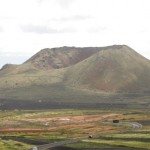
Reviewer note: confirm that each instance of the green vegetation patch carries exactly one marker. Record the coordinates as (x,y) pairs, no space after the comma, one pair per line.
(13,145)
(83,145)
(130,144)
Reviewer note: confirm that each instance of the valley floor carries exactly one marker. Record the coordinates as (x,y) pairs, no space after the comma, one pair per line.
(23,129)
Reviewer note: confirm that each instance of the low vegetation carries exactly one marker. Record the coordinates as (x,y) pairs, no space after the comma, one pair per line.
(23,129)
(69,74)
(13,145)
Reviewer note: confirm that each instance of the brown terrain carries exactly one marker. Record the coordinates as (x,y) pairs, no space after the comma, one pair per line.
(78,125)
(67,72)
(118,69)
(62,57)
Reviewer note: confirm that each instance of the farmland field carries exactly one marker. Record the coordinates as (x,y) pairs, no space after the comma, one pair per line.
(22,129)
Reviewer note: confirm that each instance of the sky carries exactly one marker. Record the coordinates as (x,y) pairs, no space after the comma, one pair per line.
(27,26)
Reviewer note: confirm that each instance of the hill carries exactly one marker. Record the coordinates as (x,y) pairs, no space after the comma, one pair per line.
(54,58)
(118,69)
(91,77)
(61,57)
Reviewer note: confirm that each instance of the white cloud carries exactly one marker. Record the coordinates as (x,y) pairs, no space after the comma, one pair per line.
(26,26)
(44,29)
(72,18)
(65,3)
(1,29)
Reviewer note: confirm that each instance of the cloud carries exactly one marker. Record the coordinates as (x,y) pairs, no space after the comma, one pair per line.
(61,3)
(42,29)
(98,29)
(73,18)
(1,29)
(65,3)
(2,18)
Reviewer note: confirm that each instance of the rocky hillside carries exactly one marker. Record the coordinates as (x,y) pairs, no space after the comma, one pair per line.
(115,68)
(62,57)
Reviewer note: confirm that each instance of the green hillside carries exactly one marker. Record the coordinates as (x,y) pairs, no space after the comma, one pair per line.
(118,69)
(96,77)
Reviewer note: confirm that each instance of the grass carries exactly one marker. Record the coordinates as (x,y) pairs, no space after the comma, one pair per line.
(46,90)
(132,135)
(109,136)
(13,145)
(129,144)
(135,139)
(87,145)
(60,96)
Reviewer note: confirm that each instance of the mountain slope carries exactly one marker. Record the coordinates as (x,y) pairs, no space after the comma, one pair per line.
(62,57)
(48,59)
(119,69)
(115,68)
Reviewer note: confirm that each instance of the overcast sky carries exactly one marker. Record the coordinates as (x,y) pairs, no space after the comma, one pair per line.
(27,26)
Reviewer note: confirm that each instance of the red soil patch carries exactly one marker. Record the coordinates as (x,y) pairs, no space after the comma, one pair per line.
(72,125)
